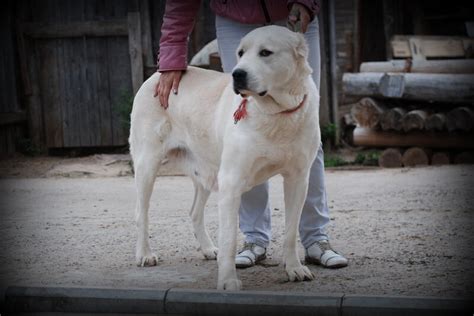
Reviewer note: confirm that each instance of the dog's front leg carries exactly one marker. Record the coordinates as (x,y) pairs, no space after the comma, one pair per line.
(229,201)
(295,189)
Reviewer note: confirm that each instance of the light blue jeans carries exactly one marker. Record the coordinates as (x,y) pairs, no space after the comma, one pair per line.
(255,215)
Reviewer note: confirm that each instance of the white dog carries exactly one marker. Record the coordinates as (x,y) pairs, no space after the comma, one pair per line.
(229,143)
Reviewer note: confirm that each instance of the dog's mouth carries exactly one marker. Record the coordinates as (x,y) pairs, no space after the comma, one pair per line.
(245,92)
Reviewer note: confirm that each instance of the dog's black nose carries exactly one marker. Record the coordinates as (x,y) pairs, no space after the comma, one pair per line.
(240,80)
(239,75)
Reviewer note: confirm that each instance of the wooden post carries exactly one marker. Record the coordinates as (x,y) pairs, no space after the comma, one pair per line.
(333,65)
(135,50)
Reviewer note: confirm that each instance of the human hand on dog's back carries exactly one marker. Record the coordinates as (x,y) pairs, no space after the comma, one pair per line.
(169,80)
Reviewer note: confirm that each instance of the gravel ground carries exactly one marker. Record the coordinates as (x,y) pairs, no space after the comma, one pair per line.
(405,232)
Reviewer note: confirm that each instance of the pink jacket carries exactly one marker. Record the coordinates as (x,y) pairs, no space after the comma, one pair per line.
(180,15)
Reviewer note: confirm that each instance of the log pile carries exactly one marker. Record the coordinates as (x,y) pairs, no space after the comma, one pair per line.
(419,112)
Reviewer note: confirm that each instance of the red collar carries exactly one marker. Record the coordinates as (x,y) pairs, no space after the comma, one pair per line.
(241,111)
(295,108)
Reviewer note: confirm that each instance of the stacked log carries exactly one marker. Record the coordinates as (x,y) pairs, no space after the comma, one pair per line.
(418,118)
(436,122)
(392,119)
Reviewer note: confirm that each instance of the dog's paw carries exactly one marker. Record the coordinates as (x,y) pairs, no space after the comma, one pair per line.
(299,273)
(210,253)
(230,285)
(148,260)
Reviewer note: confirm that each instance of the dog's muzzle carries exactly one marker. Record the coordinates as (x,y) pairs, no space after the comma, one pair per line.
(240,80)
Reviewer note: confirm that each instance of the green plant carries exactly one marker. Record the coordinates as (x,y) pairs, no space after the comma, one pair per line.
(370,158)
(124,107)
(334,161)
(328,132)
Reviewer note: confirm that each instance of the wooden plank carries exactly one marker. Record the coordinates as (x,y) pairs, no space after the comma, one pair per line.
(421,47)
(72,93)
(50,93)
(22,60)
(99,106)
(98,61)
(148,55)
(12,118)
(135,49)
(119,79)
(34,109)
(84,97)
(428,87)
(76,29)
(400,48)
(8,72)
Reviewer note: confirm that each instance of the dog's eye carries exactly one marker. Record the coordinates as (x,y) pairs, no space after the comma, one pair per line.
(240,53)
(265,53)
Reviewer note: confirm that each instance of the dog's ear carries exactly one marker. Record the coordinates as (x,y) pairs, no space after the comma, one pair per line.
(301,52)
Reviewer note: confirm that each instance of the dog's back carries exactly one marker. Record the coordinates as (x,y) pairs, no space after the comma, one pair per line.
(185,133)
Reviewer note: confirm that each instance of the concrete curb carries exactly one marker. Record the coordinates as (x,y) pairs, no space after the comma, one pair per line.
(212,302)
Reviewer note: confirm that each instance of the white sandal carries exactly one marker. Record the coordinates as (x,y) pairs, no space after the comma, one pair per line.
(321,253)
(250,255)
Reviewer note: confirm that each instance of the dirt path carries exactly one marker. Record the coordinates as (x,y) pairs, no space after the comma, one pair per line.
(405,232)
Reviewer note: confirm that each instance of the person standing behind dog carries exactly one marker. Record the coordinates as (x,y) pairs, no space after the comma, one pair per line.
(234,19)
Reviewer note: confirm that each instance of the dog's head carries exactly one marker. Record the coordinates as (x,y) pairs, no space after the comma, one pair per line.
(268,59)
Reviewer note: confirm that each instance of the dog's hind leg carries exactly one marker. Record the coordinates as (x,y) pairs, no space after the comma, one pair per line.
(207,247)
(146,167)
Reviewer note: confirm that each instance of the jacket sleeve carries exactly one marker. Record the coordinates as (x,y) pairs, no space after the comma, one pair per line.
(313,6)
(178,22)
